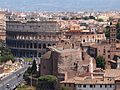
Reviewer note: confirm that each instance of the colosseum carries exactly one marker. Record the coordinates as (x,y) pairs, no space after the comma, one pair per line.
(31,38)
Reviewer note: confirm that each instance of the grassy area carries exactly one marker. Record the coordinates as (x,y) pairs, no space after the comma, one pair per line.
(25,87)
(28,59)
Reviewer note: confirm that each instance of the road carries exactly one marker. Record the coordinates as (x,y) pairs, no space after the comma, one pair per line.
(13,80)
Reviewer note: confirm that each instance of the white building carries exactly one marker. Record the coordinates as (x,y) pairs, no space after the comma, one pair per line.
(95,86)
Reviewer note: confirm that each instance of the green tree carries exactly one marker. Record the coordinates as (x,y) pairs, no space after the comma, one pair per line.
(91,17)
(100,20)
(118,25)
(110,19)
(26,75)
(34,67)
(47,82)
(100,62)
(64,88)
(118,34)
(29,70)
(85,18)
(5,53)
(107,31)
(65,18)
(118,30)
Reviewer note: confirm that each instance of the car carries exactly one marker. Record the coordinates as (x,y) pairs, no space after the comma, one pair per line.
(8,86)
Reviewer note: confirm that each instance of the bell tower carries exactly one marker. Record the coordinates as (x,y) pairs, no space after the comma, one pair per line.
(112,40)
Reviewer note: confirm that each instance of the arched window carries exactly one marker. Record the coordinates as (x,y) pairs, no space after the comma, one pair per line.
(39,46)
(35,45)
(39,55)
(49,44)
(31,45)
(84,40)
(44,45)
(53,44)
(27,45)
(20,45)
(23,45)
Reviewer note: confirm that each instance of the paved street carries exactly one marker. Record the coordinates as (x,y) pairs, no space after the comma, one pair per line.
(11,81)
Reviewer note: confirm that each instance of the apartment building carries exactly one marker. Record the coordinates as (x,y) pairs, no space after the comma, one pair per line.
(101,80)
(2,26)
(91,36)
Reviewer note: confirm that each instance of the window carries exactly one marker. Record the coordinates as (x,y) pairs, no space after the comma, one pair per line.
(49,45)
(98,41)
(65,84)
(44,46)
(39,46)
(83,40)
(27,45)
(69,85)
(44,37)
(35,54)
(20,45)
(31,54)
(91,86)
(49,36)
(104,51)
(105,86)
(54,37)
(74,85)
(84,86)
(100,86)
(110,86)
(108,51)
(23,45)
(39,54)
(53,44)
(39,37)
(114,39)
(108,56)
(35,45)
(31,46)
(79,85)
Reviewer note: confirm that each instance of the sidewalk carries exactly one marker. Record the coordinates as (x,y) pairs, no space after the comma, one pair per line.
(3,75)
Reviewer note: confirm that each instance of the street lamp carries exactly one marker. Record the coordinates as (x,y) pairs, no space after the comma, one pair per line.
(31,79)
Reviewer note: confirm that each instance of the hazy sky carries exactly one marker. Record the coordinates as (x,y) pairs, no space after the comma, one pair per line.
(60,5)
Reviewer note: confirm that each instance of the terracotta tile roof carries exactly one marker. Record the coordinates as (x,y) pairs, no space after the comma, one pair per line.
(88,80)
(112,73)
